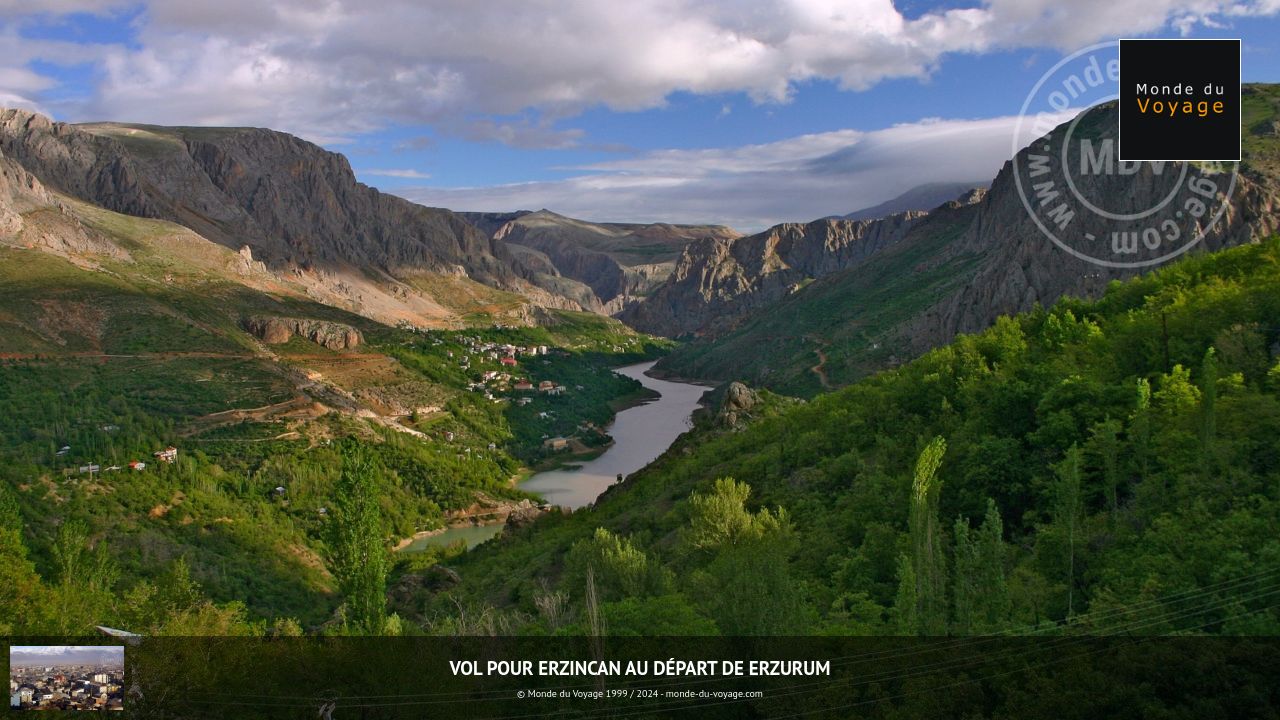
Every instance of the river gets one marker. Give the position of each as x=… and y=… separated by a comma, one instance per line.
x=640, y=434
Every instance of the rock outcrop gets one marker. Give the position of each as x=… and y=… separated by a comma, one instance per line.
x=522, y=517
x=407, y=597
x=717, y=281
x=618, y=262
x=277, y=330
x=33, y=217
x=293, y=203
x=737, y=405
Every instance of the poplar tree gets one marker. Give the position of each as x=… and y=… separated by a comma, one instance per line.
x=358, y=554
x=1208, y=398
x=980, y=593
x=1140, y=427
x=1107, y=443
x=1067, y=509
x=905, y=602
x=928, y=561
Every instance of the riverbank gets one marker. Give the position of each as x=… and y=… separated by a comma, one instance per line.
x=489, y=512
x=640, y=434
x=648, y=422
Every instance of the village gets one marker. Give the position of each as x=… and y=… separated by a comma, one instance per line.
x=511, y=382
x=77, y=687
x=168, y=455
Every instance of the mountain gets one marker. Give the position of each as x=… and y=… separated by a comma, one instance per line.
x=921, y=197
x=63, y=655
x=958, y=270
x=618, y=263
x=286, y=203
x=718, y=281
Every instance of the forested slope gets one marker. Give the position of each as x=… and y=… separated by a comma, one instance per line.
x=1110, y=463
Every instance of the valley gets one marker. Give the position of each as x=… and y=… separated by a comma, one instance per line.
x=236, y=380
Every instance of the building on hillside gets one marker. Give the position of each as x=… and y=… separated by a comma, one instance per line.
x=508, y=361
x=136, y=465
x=523, y=385
x=168, y=454
x=556, y=444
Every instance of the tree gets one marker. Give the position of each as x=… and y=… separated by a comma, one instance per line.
x=1208, y=398
x=1106, y=444
x=1140, y=428
x=747, y=588
x=85, y=577
x=928, y=561
x=1068, y=507
x=905, y=604
x=357, y=553
x=621, y=569
x=720, y=517
x=981, y=595
x=24, y=601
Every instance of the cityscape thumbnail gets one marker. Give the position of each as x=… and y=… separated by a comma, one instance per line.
x=66, y=677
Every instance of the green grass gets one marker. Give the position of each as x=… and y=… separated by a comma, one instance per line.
x=1260, y=115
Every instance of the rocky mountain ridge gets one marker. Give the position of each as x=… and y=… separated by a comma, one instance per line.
x=718, y=281
x=296, y=207
x=618, y=262
x=921, y=197
x=959, y=268
x=287, y=199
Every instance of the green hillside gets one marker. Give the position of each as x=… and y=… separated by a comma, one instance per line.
x=1111, y=465
x=116, y=355
x=782, y=347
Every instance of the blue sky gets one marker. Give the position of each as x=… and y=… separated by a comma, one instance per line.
x=679, y=110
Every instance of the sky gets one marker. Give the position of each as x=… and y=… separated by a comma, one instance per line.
x=26, y=655
x=745, y=113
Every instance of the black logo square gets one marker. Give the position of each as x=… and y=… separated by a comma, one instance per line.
x=1179, y=100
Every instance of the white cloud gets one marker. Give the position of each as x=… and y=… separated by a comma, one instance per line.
x=522, y=134
x=395, y=173
x=754, y=186
x=333, y=68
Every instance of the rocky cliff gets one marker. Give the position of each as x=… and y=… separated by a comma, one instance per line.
x=718, y=281
x=33, y=217
x=618, y=262
x=293, y=203
x=277, y=330
x=1022, y=268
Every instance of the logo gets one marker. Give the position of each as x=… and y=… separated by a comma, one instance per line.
x=1112, y=213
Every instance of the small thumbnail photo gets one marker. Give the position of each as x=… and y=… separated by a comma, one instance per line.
x=66, y=677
